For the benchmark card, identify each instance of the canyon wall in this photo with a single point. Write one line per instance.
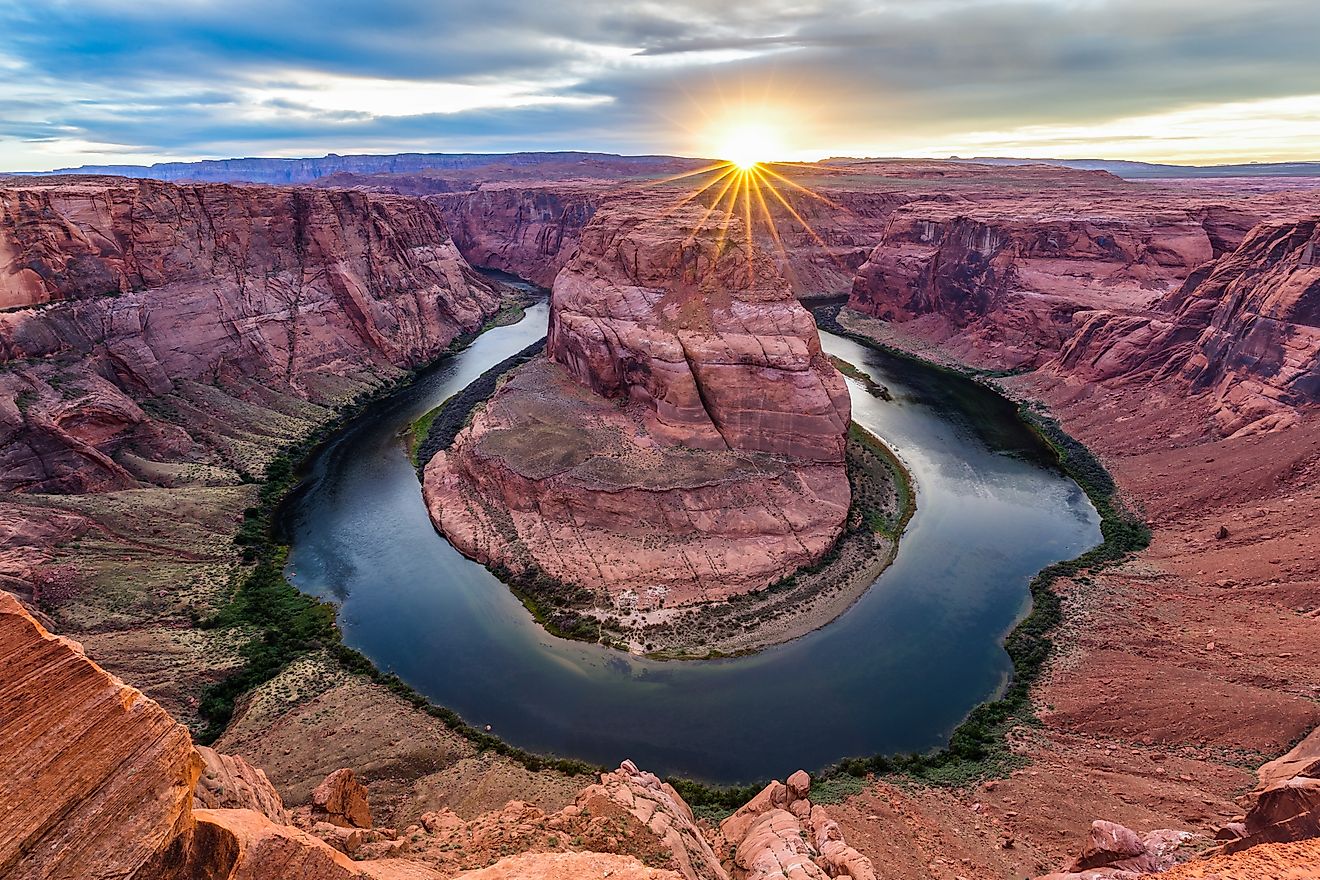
(1243, 331)
(115, 292)
(682, 380)
(992, 285)
(533, 229)
(528, 231)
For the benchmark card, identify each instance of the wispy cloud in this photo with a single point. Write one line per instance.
(102, 80)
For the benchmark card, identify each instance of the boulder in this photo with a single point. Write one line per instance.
(341, 800)
(229, 782)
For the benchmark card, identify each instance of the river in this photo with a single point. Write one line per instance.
(896, 673)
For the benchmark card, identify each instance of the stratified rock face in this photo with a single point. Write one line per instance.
(1244, 330)
(528, 231)
(1001, 286)
(1287, 801)
(662, 810)
(93, 775)
(710, 343)
(143, 284)
(683, 443)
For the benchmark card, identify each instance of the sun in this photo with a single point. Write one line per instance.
(749, 144)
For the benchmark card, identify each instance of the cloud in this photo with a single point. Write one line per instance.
(193, 78)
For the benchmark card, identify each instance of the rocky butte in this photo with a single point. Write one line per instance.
(681, 379)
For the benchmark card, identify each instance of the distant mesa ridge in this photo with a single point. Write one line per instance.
(307, 170)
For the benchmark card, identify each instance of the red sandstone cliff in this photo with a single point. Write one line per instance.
(529, 231)
(997, 284)
(1244, 331)
(683, 441)
(115, 291)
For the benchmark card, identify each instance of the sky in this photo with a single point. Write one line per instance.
(107, 81)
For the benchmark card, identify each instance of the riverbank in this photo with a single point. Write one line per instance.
(1173, 670)
(884, 500)
(979, 747)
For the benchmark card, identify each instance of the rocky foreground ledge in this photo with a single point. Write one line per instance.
(97, 780)
(682, 442)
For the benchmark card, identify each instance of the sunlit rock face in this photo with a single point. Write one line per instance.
(1244, 331)
(116, 290)
(682, 441)
(1002, 283)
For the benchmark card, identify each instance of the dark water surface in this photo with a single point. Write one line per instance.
(896, 673)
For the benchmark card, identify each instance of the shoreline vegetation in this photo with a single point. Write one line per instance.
(289, 624)
(799, 603)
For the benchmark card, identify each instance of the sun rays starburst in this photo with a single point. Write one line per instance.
(757, 193)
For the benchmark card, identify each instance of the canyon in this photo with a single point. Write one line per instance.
(161, 342)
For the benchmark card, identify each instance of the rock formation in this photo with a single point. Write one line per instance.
(229, 782)
(1000, 285)
(1286, 805)
(682, 380)
(92, 773)
(529, 231)
(341, 800)
(1243, 331)
(116, 291)
(780, 833)
(1117, 852)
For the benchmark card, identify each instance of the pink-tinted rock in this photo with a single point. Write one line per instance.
(529, 231)
(1243, 331)
(683, 380)
(663, 812)
(94, 777)
(143, 284)
(799, 785)
(1007, 279)
(229, 782)
(569, 866)
(1115, 852)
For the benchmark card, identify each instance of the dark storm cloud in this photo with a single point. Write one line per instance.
(187, 78)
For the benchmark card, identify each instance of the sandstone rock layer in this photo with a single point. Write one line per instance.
(114, 291)
(683, 441)
(92, 773)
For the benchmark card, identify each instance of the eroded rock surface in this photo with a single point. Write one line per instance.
(1002, 284)
(1244, 331)
(92, 773)
(780, 833)
(341, 800)
(682, 381)
(229, 782)
(116, 291)
(1286, 804)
